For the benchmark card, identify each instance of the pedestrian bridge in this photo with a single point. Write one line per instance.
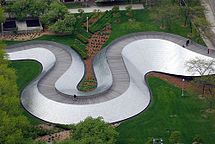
(120, 70)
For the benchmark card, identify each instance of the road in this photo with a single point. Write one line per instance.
(105, 8)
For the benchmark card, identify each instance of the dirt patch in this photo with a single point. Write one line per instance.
(94, 45)
(60, 136)
(25, 36)
(176, 81)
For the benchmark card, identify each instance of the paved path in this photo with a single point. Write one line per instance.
(105, 8)
(129, 59)
(209, 13)
(212, 4)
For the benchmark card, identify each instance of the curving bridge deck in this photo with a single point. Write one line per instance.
(119, 69)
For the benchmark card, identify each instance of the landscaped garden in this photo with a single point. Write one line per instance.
(169, 113)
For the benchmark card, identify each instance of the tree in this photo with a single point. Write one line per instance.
(175, 137)
(193, 12)
(116, 13)
(200, 66)
(56, 11)
(129, 12)
(81, 12)
(165, 14)
(26, 8)
(92, 131)
(13, 124)
(64, 26)
(2, 17)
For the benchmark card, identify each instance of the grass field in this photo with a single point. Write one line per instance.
(143, 22)
(26, 71)
(169, 112)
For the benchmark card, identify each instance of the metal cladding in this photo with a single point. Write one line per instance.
(120, 71)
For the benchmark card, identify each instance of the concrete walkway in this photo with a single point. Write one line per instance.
(211, 19)
(105, 8)
(212, 4)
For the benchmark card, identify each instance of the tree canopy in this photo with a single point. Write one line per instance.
(65, 26)
(56, 11)
(25, 8)
(13, 124)
(200, 66)
(93, 131)
(2, 15)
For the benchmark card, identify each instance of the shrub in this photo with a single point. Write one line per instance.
(104, 20)
(82, 38)
(79, 48)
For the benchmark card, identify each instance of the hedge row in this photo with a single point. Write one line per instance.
(79, 48)
(82, 38)
(84, 33)
(101, 22)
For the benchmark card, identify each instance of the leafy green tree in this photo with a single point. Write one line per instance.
(94, 131)
(81, 12)
(64, 26)
(116, 13)
(25, 8)
(56, 11)
(194, 14)
(2, 17)
(13, 124)
(129, 12)
(165, 15)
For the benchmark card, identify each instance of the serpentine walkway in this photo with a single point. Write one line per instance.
(120, 71)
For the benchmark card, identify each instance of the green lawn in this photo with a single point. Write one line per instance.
(143, 23)
(188, 117)
(26, 71)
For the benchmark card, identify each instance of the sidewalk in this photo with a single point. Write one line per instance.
(104, 8)
(211, 19)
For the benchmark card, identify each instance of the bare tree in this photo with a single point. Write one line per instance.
(202, 67)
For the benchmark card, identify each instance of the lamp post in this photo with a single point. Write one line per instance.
(182, 89)
(87, 24)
